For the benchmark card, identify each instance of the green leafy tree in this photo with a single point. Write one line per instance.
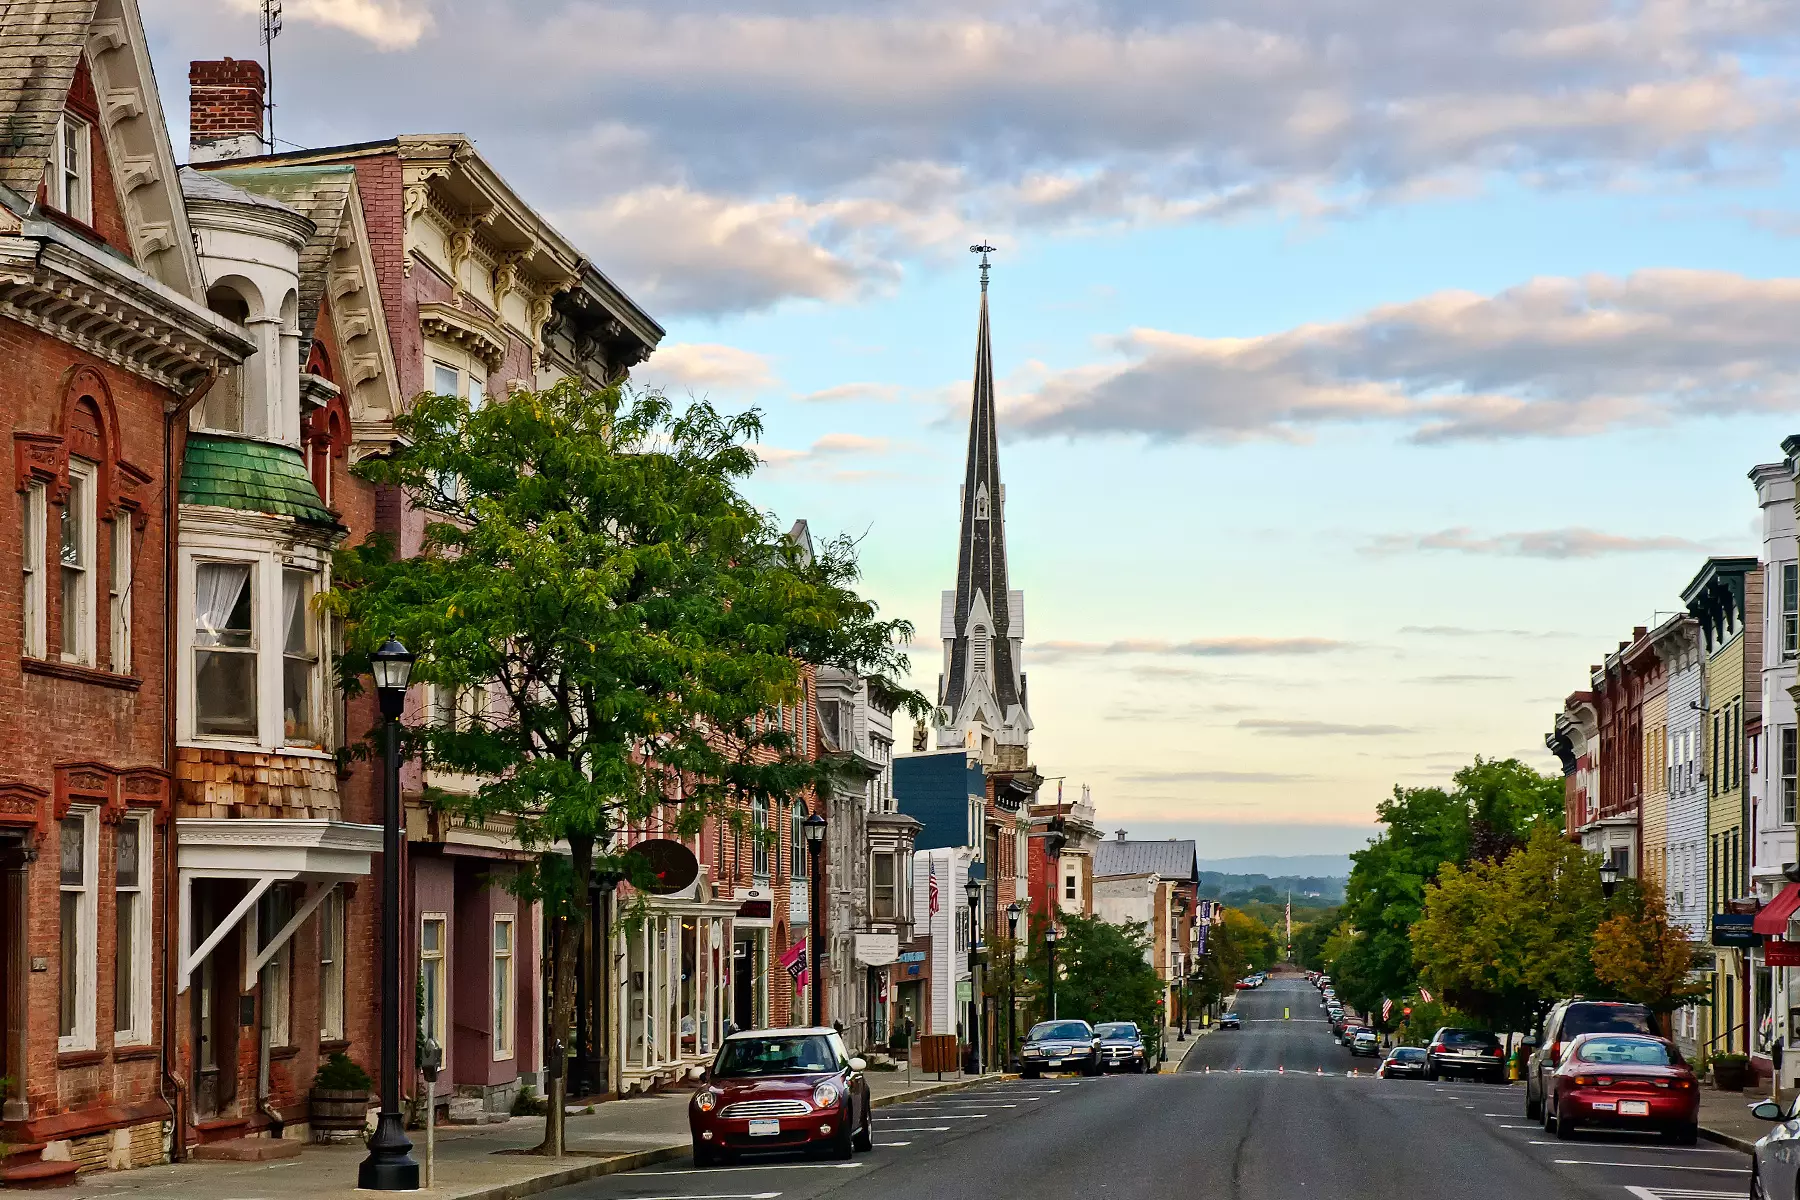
(1103, 973)
(1310, 940)
(593, 566)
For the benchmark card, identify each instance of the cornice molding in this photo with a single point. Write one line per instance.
(464, 330)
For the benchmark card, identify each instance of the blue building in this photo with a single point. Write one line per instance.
(945, 791)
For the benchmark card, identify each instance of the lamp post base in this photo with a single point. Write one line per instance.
(390, 1166)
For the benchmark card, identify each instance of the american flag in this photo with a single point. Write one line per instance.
(1387, 1006)
(931, 888)
(1424, 995)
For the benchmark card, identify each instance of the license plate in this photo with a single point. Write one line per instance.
(1634, 1108)
(1055, 1062)
(764, 1128)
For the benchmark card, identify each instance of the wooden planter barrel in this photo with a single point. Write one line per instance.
(338, 1110)
(1730, 1076)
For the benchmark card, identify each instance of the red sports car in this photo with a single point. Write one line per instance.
(780, 1089)
(1624, 1080)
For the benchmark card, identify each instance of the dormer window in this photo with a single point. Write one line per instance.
(981, 502)
(70, 181)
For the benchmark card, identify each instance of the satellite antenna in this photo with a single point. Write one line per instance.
(271, 29)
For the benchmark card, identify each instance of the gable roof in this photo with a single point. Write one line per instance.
(40, 46)
(1174, 859)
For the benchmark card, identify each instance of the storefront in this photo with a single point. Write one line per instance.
(675, 988)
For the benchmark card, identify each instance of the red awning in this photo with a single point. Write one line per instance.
(1772, 921)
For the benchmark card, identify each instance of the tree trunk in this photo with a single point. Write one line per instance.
(561, 986)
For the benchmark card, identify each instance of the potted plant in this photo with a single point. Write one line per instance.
(339, 1099)
(1730, 1072)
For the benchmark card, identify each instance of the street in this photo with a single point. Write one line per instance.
(1268, 1112)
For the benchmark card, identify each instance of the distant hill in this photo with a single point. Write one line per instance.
(1306, 891)
(1322, 865)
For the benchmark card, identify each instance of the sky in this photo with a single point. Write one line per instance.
(1368, 368)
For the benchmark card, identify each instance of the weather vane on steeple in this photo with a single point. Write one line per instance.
(983, 249)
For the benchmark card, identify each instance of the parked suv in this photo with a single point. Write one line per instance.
(1568, 1020)
(1473, 1052)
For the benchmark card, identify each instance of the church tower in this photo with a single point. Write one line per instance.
(981, 693)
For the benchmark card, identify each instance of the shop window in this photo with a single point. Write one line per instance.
(70, 184)
(224, 650)
(76, 556)
(79, 852)
(299, 661)
(132, 844)
(503, 1016)
(331, 966)
(33, 514)
(432, 994)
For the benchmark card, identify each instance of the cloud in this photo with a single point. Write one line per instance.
(1553, 357)
(828, 449)
(1158, 777)
(1269, 727)
(386, 24)
(1574, 542)
(706, 365)
(1463, 631)
(1223, 647)
(851, 391)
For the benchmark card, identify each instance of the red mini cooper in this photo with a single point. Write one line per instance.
(1626, 1081)
(781, 1089)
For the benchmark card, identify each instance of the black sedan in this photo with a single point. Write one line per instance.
(1060, 1046)
(1404, 1062)
(1229, 1019)
(1121, 1047)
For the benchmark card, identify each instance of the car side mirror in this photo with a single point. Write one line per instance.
(857, 1064)
(1766, 1110)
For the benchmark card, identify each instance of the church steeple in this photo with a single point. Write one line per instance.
(982, 622)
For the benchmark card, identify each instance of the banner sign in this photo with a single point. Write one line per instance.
(1781, 954)
(1734, 929)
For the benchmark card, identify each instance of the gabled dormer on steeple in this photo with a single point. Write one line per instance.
(983, 621)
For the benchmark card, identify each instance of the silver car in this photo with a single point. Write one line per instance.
(1775, 1162)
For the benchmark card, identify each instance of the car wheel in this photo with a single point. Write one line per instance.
(704, 1155)
(1563, 1127)
(1757, 1190)
(865, 1134)
(841, 1144)
(1534, 1109)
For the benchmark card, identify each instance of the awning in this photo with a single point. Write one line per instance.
(1772, 921)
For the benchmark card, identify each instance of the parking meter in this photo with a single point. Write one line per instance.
(431, 1059)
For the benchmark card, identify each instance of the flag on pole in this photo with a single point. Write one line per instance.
(795, 961)
(1424, 995)
(931, 889)
(1387, 1006)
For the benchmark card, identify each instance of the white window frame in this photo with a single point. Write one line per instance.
(135, 1028)
(1789, 743)
(759, 845)
(71, 183)
(891, 910)
(86, 933)
(504, 983)
(83, 499)
(438, 962)
(35, 522)
(311, 653)
(119, 594)
(332, 940)
(798, 864)
(1790, 609)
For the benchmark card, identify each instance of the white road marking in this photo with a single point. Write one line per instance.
(849, 1166)
(1648, 1146)
(715, 1196)
(1644, 1193)
(1521, 1127)
(919, 1128)
(939, 1117)
(893, 1143)
(1584, 1162)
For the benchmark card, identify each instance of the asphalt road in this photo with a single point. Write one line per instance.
(1269, 1112)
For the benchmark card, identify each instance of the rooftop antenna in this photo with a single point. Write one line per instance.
(271, 29)
(983, 249)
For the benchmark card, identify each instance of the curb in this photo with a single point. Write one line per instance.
(1727, 1139)
(616, 1164)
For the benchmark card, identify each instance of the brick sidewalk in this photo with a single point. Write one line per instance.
(473, 1163)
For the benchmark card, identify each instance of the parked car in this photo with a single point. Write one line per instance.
(1472, 1052)
(1403, 1062)
(1567, 1020)
(1121, 1047)
(1229, 1019)
(1629, 1080)
(1365, 1041)
(1060, 1046)
(1347, 1031)
(1773, 1166)
(779, 1089)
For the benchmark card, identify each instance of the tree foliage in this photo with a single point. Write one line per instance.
(1103, 973)
(1642, 956)
(594, 570)
(1310, 939)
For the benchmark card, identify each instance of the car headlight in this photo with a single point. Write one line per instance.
(1033, 1052)
(706, 1099)
(826, 1094)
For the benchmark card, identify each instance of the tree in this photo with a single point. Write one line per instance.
(593, 567)
(1644, 958)
(1103, 973)
(1256, 939)
(1310, 939)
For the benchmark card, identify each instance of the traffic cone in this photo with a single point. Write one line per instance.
(1321, 1070)
(1281, 1070)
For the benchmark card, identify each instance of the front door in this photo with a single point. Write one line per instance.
(213, 1022)
(743, 982)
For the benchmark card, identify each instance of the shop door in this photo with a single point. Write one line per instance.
(743, 983)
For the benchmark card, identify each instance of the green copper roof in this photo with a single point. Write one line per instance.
(250, 475)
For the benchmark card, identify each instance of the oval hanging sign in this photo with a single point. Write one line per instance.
(669, 865)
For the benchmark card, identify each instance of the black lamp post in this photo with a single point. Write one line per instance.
(390, 1166)
(1013, 912)
(815, 847)
(972, 889)
(1609, 878)
(1050, 936)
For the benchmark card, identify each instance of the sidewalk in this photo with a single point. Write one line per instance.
(1178, 1051)
(1725, 1117)
(473, 1162)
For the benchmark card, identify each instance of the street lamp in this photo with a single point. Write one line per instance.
(390, 1166)
(972, 889)
(1609, 878)
(1013, 912)
(815, 847)
(1050, 937)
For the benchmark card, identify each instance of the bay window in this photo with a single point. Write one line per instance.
(77, 563)
(224, 650)
(1790, 769)
(299, 660)
(131, 944)
(78, 856)
(884, 899)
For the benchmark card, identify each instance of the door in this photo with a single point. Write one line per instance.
(743, 982)
(213, 1024)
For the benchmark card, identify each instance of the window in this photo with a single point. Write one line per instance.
(503, 987)
(119, 595)
(299, 660)
(1790, 750)
(70, 183)
(1069, 887)
(1790, 609)
(77, 559)
(79, 852)
(131, 944)
(331, 966)
(431, 978)
(446, 381)
(273, 912)
(759, 840)
(32, 519)
(884, 897)
(797, 837)
(978, 650)
(975, 806)
(224, 651)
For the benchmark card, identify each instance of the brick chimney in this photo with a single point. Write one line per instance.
(225, 110)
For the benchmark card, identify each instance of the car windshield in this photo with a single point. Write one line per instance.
(1624, 1051)
(1407, 1054)
(1468, 1039)
(1369, 1034)
(1116, 1029)
(1058, 1031)
(796, 1055)
(1605, 1018)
